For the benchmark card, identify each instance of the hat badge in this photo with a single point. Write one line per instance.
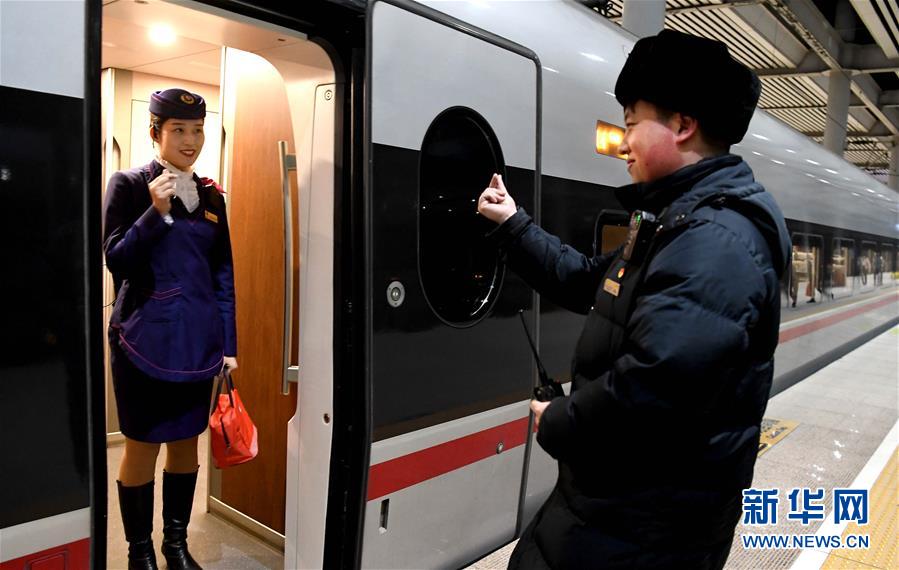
(188, 99)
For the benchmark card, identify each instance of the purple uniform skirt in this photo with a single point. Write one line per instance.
(153, 410)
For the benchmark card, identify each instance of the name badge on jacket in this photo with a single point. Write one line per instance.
(211, 217)
(612, 287)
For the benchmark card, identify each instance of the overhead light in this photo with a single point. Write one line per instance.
(610, 94)
(809, 174)
(810, 161)
(823, 181)
(789, 150)
(550, 69)
(776, 161)
(871, 191)
(856, 194)
(764, 138)
(162, 34)
(831, 171)
(757, 153)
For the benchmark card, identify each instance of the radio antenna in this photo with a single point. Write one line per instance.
(544, 378)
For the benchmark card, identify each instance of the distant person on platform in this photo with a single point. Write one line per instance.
(167, 244)
(673, 368)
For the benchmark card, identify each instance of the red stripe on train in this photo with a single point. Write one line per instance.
(395, 474)
(408, 470)
(801, 330)
(73, 556)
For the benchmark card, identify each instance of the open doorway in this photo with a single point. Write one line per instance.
(262, 84)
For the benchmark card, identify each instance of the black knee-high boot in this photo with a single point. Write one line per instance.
(136, 504)
(177, 500)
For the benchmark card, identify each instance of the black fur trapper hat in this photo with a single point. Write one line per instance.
(693, 76)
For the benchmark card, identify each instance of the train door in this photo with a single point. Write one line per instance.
(843, 268)
(449, 366)
(275, 93)
(867, 260)
(886, 262)
(806, 280)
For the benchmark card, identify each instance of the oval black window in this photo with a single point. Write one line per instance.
(461, 276)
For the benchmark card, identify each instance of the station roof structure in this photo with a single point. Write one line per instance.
(792, 45)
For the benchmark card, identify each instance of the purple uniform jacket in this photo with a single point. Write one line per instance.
(174, 309)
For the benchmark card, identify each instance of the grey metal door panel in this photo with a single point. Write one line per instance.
(445, 511)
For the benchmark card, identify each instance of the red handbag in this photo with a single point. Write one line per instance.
(232, 433)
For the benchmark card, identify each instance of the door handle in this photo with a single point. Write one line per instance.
(288, 164)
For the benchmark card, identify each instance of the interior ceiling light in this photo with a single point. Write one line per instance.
(162, 34)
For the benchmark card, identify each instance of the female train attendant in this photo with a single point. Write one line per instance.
(172, 329)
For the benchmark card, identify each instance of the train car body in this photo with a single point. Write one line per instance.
(411, 444)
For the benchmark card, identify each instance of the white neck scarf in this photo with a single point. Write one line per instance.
(185, 186)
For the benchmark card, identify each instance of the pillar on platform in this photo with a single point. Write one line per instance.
(643, 17)
(837, 111)
(893, 180)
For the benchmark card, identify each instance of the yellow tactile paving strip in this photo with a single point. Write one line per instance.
(882, 526)
(774, 431)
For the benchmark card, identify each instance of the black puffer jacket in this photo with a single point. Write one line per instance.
(661, 430)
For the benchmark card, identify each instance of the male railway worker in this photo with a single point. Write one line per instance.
(672, 371)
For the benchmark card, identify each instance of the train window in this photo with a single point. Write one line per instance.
(460, 275)
(887, 264)
(608, 138)
(866, 259)
(842, 267)
(805, 269)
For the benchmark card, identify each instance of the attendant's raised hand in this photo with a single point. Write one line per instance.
(162, 188)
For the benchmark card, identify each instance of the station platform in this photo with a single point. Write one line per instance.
(835, 429)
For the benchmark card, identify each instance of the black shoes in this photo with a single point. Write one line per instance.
(177, 500)
(136, 504)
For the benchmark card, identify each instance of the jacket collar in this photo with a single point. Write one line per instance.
(657, 195)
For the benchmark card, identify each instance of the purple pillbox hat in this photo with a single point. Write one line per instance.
(177, 104)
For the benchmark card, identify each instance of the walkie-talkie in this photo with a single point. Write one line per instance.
(548, 388)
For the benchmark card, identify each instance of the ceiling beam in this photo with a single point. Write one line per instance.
(868, 15)
(802, 107)
(867, 58)
(808, 22)
(705, 7)
(821, 70)
(852, 135)
(868, 91)
(889, 98)
(806, 63)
